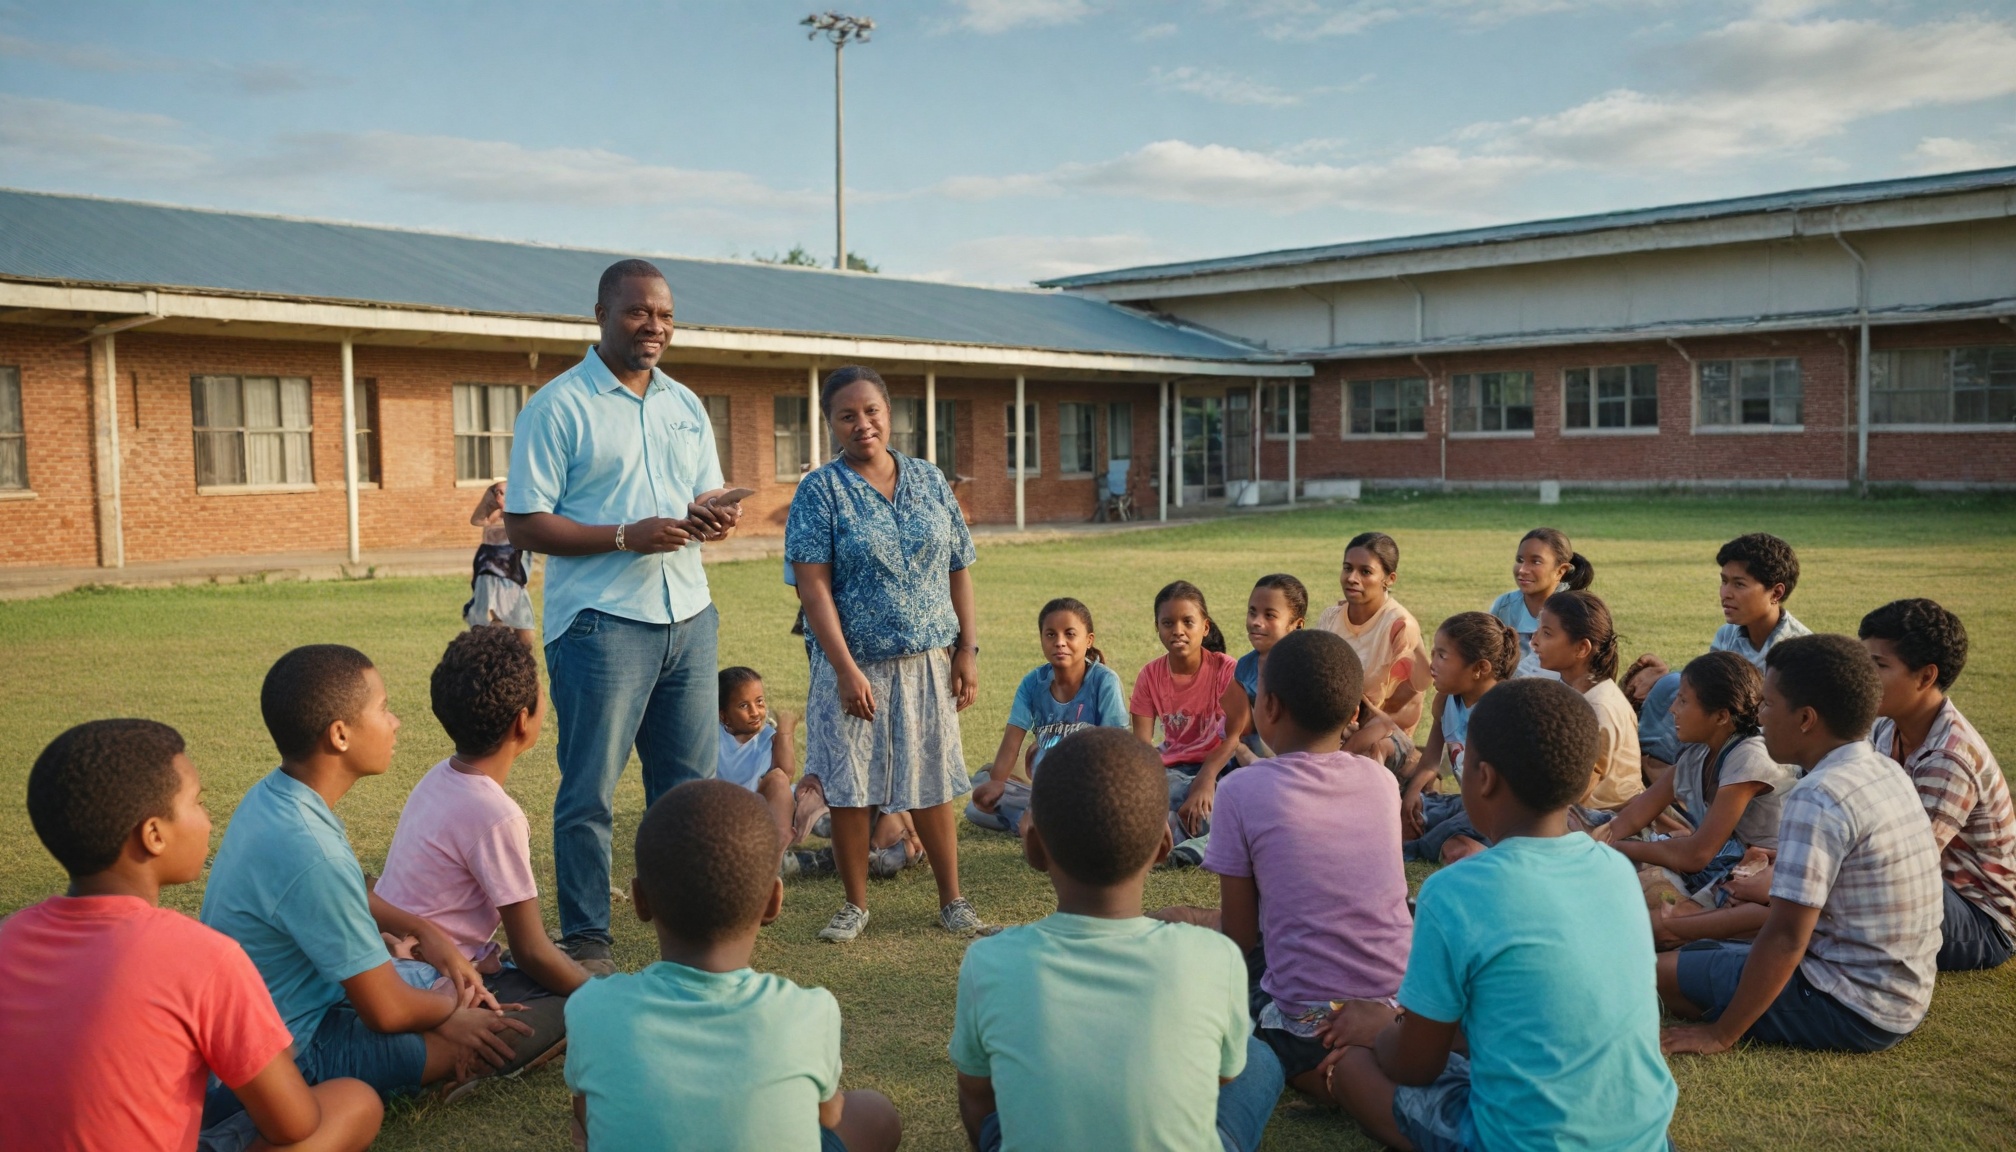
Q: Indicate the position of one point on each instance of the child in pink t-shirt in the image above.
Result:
(114, 1011)
(462, 856)
(1192, 694)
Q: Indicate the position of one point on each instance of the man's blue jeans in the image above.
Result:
(618, 684)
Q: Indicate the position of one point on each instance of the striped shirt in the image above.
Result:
(1968, 800)
(1854, 842)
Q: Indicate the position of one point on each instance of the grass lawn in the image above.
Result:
(194, 657)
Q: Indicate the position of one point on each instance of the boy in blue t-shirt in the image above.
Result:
(700, 1050)
(1097, 1027)
(1519, 959)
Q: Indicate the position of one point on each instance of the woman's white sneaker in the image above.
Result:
(847, 923)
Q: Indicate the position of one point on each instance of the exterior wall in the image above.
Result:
(417, 502)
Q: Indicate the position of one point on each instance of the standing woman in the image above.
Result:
(880, 553)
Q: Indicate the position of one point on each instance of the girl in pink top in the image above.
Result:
(1192, 694)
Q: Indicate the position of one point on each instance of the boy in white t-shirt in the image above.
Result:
(462, 855)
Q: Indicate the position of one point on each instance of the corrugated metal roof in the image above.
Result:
(79, 239)
(1841, 195)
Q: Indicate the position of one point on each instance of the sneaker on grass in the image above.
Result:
(846, 924)
(593, 955)
(960, 919)
(823, 826)
(806, 862)
(547, 1017)
(1190, 853)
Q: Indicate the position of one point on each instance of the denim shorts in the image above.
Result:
(1801, 1017)
(1970, 939)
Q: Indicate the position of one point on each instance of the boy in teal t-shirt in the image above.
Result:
(1520, 948)
(1097, 1027)
(699, 1050)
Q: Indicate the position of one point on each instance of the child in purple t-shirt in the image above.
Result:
(1335, 930)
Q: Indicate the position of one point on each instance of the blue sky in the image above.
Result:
(992, 140)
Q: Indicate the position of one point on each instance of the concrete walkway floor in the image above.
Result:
(29, 582)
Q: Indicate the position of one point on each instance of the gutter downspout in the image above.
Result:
(1430, 374)
(1329, 302)
(1861, 360)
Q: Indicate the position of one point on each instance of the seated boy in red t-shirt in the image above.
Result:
(114, 1011)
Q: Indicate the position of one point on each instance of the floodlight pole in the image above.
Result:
(839, 29)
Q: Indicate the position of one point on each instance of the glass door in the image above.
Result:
(1238, 437)
(1203, 431)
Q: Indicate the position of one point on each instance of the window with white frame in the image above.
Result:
(13, 435)
(365, 399)
(1274, 410)
(1077, 437)
(906, 425)
(252, 431)
(1032, 458)
(1615, 397)
(718, 408)
(1120, 431)
(1396, 407)
(1759, 393)
(792, 428)
(1491, 402)
(1943, 386)
(485, 414)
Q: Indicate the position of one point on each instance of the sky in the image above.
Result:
(992, 141)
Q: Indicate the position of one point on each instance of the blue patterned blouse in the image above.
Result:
(891, 559)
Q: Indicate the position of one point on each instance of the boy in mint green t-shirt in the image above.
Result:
(1526, 959)
(699, 1050)
(1097, 1027)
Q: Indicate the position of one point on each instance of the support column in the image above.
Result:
(1021, 450)
(350, 447)
(1259, 433)
(1162, 457)
(105, 452)
(815, 425)
(1176, 437)
(1293, 432)
(931, 417)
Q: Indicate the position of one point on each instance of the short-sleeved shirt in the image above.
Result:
(1967, 799)
(1191, 712)
(1736, 638)
(1103, 1033)
(1036, 711)
(1854, 842)
(1246, 673)
(1335, 932)
(1512, 611)
(115, 1013)
(1455, 731)
(287, 887)
(462, 851)
(1622, 772)
(1540, 949)
(678, 1057)
(1742, 761)
(1375, 644)
(588, 448)
(892, 559)
(745, 761)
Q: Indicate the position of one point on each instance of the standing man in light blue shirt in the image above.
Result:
(613, 476)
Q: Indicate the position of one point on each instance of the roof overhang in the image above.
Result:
(183, 311)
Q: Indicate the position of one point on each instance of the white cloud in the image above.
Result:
(991, 16)
(1157, 32)
(1222, 87)
(260, 78)
(1318, 19)
(69, 139)
(1949, 154)
(1021, 259)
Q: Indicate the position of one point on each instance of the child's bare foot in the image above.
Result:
(1458, 848)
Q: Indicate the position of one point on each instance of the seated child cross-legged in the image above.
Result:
(287, 887)
(1474, 652)
(1097, 1027)
(1577, 641)
(1191, 694)
(1919, 648)
(114, 1011)
(1725, 781)
(462, 854)
(1335, 930)
(1278, 605)
(700, 1050)
(1845, 956)
(1524, 958)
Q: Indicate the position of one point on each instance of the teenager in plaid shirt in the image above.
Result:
(1845, 959)
(1919, 649)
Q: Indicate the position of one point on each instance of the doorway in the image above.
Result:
(1217, 443)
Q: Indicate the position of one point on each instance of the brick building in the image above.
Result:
(176, 383)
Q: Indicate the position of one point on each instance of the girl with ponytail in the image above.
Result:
(1577, 642)
(1072, 689)
(1472, 653)
(1725, 782)
(1191, 693)
(1545, 563)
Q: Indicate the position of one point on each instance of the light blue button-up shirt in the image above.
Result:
(589, 449)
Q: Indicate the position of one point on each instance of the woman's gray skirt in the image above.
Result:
(908, 757)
